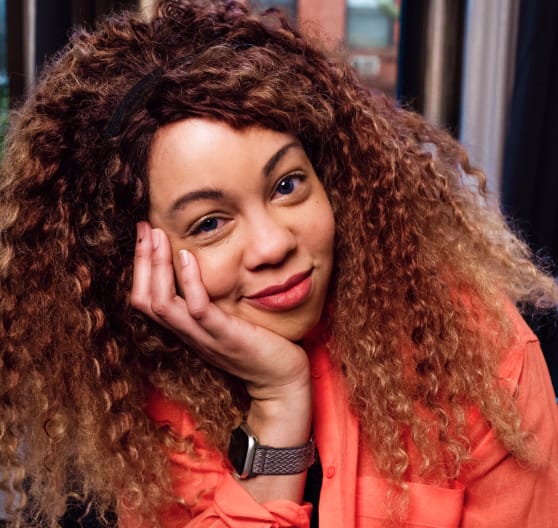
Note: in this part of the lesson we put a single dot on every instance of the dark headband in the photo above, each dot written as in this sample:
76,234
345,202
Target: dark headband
131,101
136,94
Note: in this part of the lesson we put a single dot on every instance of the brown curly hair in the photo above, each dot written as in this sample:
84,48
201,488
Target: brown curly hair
422,259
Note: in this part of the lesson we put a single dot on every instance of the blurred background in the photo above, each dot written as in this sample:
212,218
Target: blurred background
486,70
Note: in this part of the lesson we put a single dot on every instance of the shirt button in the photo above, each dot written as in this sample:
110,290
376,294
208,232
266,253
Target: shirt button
330,472
316,372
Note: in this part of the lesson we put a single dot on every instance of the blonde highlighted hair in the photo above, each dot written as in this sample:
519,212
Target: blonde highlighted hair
422,260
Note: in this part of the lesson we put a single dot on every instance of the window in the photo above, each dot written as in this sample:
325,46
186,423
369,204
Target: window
372,31
287,6
370,23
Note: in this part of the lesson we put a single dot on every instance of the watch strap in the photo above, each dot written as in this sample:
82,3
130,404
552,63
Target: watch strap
283,460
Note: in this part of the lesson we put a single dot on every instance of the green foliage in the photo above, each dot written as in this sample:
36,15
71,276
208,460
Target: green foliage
390,8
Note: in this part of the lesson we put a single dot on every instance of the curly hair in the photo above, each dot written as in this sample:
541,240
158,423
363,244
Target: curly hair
422,259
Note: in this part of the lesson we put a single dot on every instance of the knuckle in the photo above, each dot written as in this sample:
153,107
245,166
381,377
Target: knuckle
160,309
137,301
198,313
141,253
159,261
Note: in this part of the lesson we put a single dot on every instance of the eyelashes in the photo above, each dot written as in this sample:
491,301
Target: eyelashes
207,225
288,189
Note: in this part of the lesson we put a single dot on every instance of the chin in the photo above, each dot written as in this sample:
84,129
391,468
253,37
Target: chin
293,330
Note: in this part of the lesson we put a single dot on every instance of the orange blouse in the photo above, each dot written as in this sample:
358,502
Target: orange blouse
495,492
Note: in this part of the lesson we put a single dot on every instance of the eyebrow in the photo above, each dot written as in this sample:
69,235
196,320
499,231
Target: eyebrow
274,160
200,194
215,194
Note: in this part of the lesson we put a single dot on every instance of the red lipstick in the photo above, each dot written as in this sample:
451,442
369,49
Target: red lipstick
285,296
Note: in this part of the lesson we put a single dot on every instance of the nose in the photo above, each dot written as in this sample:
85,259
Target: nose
269,240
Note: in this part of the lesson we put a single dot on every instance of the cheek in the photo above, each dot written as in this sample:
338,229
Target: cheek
320,231
219,272
218,265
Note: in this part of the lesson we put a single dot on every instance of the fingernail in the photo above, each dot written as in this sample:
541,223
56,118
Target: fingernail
184,257
156,238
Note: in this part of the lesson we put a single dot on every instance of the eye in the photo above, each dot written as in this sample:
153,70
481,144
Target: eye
286,186
206,225
289,184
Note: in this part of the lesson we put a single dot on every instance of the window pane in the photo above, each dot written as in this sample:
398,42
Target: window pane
368,27
287,6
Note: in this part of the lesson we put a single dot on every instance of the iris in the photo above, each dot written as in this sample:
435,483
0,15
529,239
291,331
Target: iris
286,186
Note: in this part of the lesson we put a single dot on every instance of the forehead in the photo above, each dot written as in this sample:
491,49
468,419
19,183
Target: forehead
194,140
201,153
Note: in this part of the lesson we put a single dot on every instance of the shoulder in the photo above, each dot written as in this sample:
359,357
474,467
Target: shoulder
500,490
523,371
524,344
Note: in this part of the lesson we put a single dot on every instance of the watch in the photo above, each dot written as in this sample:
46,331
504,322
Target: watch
250,459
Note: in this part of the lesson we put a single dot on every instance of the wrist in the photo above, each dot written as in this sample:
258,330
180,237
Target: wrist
284,421
251,458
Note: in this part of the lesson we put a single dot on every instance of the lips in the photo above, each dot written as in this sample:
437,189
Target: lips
290,294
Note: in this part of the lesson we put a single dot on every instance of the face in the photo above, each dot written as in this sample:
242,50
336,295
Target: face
249,206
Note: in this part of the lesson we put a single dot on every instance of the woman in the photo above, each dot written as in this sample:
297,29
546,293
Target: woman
316,273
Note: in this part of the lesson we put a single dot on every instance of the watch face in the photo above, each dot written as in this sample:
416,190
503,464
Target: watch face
238,450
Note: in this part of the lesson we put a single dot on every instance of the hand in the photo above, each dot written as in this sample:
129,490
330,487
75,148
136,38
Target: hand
273,367
276,371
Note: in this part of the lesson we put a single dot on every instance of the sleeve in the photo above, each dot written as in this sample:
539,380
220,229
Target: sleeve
207,495
499,490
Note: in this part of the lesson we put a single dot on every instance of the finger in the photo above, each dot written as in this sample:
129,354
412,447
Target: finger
140,296
220,326
194,290
162,286
166,306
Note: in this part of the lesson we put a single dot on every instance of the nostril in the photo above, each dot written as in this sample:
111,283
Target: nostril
270,248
